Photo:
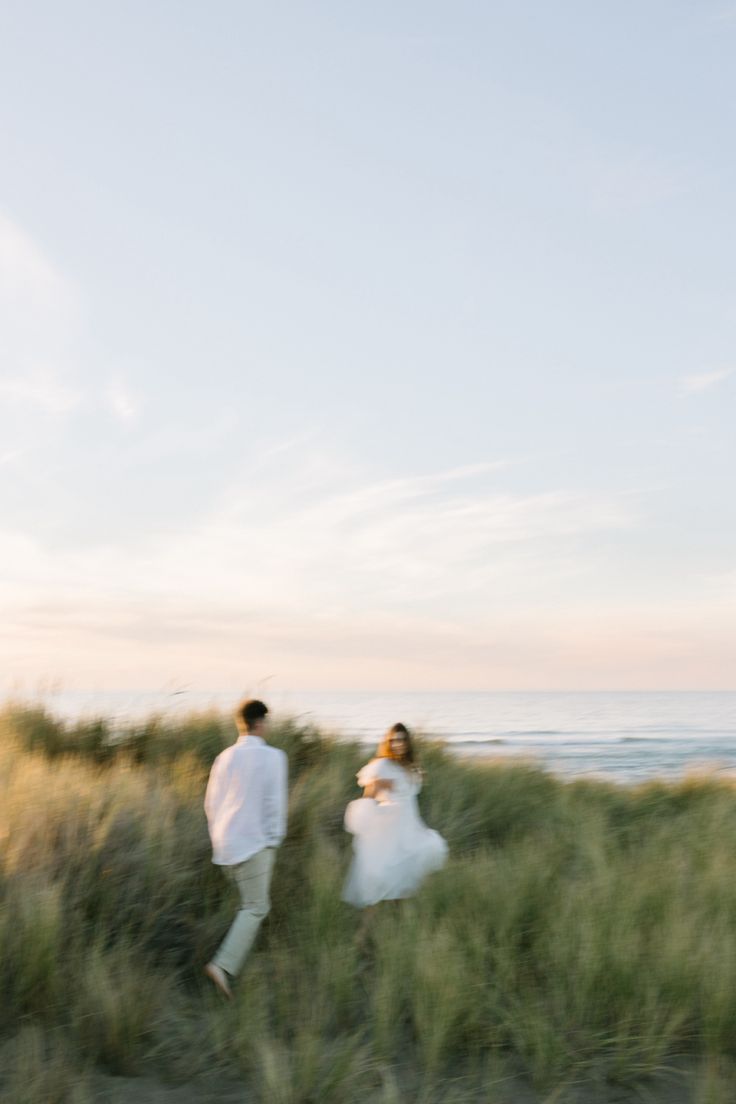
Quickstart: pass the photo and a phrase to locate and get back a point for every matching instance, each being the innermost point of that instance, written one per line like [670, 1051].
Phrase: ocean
[626, 737]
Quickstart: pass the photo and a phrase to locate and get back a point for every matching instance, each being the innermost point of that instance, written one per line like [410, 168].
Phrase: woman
[393, 849]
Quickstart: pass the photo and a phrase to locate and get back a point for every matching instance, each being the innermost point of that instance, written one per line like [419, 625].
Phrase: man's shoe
[219, 977]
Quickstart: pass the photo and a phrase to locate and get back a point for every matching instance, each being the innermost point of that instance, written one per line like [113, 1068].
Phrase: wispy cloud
[281, 552]
[725, 16]
[703, 381]
[629, 183]
[427, 580]
[41, 390]
[11, 456]
[122, 402]
[40, 327]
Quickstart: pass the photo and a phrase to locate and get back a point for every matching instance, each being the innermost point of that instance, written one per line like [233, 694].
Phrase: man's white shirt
[246, 800]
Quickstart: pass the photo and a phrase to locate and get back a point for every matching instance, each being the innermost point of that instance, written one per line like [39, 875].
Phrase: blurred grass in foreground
[581, 936]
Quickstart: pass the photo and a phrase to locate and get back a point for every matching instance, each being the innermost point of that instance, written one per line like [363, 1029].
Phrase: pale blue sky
[368, 345]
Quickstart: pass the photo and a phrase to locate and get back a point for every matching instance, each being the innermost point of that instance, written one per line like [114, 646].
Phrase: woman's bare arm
[374, 789]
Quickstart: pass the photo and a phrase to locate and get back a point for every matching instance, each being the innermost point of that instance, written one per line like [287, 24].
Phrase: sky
[367, 346]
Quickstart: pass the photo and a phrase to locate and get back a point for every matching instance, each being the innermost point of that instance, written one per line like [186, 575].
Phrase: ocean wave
[587, 737]
[495, 740]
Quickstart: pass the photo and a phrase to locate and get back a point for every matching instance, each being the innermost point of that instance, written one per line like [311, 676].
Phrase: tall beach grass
[581, 940]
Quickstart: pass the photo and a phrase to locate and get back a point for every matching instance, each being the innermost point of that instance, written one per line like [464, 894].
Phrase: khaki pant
[253, 879]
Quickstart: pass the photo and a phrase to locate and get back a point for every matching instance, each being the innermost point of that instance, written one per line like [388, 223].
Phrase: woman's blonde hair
[385, 750]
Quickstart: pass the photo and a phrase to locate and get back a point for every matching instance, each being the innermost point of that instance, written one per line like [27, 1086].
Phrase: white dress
[393, 849]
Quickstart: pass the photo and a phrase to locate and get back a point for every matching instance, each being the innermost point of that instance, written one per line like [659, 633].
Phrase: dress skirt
[393, 850]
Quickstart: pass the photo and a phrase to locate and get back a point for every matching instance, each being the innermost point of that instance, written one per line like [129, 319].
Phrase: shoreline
[620, 758]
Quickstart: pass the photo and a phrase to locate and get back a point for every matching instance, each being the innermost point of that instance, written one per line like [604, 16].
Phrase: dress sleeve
[377, 768]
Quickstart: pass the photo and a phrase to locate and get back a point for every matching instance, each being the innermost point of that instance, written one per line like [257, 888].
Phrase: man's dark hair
[251, 711]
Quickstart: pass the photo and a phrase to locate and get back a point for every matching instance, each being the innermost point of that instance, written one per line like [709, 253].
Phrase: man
[246, 803]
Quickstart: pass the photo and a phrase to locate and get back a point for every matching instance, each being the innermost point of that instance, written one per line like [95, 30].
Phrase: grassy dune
[580, 943]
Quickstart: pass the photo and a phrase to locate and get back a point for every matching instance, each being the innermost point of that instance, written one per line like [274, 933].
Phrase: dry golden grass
[580, 934]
